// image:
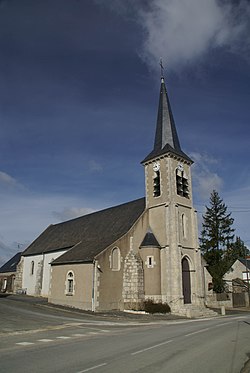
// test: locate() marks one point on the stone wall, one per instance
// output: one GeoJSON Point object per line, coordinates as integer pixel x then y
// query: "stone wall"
{"type": "Point", "coordinates": [18, 285]}
{"type": "Point", "coordinates": [213, 302]}
{"type": "Point", "coordinates": [133, 281]}
{"type": "Point", "coordinates": [39, 278]}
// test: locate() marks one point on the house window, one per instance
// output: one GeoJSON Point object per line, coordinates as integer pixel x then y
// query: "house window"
{"type": "Point", "coordinates": [182, 183]}
{"type": "Point", "coordinates": [70, 283]}
{"type": "Point", "coordinates": [116, 259]}
{"type": "Point", "coordinates": [246, 276]}
{"type": "Point", "coordinates": [32, 267]}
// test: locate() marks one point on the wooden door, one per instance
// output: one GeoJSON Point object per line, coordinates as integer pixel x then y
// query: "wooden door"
{"type": "Point", "coordinates": [186, 282]}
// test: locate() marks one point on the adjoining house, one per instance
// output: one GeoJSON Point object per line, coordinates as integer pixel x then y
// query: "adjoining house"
{"type": "Point", "coordinates": [8, 274]}
{"type": "Point", "coordinates": [240, 269]}
{"type": "Point", "coordinates": [237, 286]}
{"type": "Point", "coordinates": [118, 257]}
{"type": "Point", "coordinates": [237, 280]}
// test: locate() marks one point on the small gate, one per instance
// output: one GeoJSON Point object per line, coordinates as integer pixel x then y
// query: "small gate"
{"type": "Point", "coordinates": [239, 300]}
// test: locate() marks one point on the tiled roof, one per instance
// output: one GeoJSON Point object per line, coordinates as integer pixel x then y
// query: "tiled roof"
{"type": "Point", "coordinates": [10, 266]}
{"type": "Point", "coordinates": [88, 235]}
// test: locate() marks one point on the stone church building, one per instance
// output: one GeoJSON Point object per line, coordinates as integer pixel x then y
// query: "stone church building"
{"type": "Point", "coordinates": [120, 256]}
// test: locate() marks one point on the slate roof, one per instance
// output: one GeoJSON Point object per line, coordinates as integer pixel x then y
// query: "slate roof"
{"type": "Point", "coordinates": [149, 241]}
{"type": "Point", "coordinates": [166, 137]}
{"type": "Point", "coordinates": [245, 262]}
{"type": "Point", "coordinates": [10, 266]}
{"type": "Point", "coordinates": [88, 235]}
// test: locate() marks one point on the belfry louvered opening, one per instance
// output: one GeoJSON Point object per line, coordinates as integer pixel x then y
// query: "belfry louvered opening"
{"type": "Point", "coordinates": [182, 184]}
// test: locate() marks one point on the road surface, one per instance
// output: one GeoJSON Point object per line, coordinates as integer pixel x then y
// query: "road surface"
{"type": "Point", "coordinates": [65, 342]}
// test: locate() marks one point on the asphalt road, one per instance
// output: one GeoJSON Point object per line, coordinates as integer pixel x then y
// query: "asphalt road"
{"type": "Point", "coordinates": [68, 342]}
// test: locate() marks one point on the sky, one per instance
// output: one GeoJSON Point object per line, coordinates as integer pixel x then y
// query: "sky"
{"type": "Point", "coordinates": [79, 89]}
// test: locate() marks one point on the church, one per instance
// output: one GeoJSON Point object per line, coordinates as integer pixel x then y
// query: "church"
{"type": "Point", "coordinates": [116, 258]}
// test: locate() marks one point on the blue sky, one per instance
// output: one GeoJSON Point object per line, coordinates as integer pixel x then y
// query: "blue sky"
{"type": "Point", "coordinates": [79, 87]}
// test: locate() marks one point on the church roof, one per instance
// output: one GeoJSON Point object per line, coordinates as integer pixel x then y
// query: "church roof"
{"type": "Point", "coordinates": [88, 235]}
{"type": "Point", "coordinates": [10, 266]}
{"type": "Point", "coordinates": [166, 137]}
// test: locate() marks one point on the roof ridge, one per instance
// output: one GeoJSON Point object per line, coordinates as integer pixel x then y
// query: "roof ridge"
{"type": "Point", "coordinates": [97, 212]}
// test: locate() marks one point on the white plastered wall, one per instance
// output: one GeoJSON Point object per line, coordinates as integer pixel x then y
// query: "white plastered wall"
{"type": "Point", "coordinates": [30, 280]}
{"type": "Point", "coordinates": [38, 283]}
{"type": "Point", "coordinates": [48, 258]}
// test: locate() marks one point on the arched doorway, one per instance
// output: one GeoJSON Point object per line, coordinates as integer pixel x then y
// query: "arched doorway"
{"type": "Point", "coordinates": [186, 282]}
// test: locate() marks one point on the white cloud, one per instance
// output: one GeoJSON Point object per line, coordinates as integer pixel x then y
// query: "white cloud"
{"type": "Point", "coordinates": [10, 184]}
{"type": "Point", "coordinates": [95, 166]}
{"type": "Point", "coordinates": [6, 252]}
{"type": "Point", "coordinates": [238, 202]}
{"type": "Point", "coordinates": [7, 180]}
{"type": "Point", "coordinates": [183, 31]}
{"type": "Point", "coordinates": [205, 179]}
{"type": "Point", "coordinates": [71, 213]}
{"type": "Point", "coordinates": [24, 216]}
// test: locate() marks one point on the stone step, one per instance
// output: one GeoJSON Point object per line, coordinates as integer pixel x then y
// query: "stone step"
{"type": "Point", "coordinates": [191, 311]}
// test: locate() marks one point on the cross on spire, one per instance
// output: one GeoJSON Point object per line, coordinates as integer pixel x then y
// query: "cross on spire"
{"type": "Point", "coordinates": [162, 68]}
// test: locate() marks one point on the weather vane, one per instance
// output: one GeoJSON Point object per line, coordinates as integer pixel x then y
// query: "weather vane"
{"type": "Point", "coordinates": [162, 68]}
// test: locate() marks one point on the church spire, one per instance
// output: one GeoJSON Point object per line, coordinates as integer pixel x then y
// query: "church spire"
{"type": "Point", "coordinates": [166, 137]}
{"type": "Point", "coordinates": [165, 128]}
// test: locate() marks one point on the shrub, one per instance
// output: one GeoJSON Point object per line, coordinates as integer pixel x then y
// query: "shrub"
{"type": "Point", "coordinates": [151, 307]}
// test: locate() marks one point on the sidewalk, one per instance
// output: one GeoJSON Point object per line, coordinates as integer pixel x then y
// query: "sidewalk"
{"type": "Point", "coordinates": [115, 315]}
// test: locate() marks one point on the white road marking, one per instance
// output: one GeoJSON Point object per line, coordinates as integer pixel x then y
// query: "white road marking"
{"type": "Point", "coordinates": [206, 329]}
{"type": "Point", "coordinates": [45, 340]}
{"type": "Point", "coordinates": [78, 335]}
{"type": "Point", "coordinates": [198, 331]}
{"type": "Point", "coordinates": [24, 343]}
{"type": "Point", "coordinates": [150, 348]}
{"type": "Point", "coordinates": [225, 323]}
{"type": "Point", "coordinates": [94, 367]}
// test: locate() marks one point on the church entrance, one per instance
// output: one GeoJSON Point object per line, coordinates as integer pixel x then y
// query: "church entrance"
{"type": "Point", "coordinates": [186, 282]}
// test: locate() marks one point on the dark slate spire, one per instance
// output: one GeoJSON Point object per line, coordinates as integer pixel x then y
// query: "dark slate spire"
{"type": "Point", "coordinates": [165, 127]}
{"type": "Point", "coordinates": [166, 138]}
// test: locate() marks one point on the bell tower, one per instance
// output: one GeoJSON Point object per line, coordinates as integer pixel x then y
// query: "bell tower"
{"type": "Point", "coordinates": [167, 167]}
{"type": "Point", "coordinates": [172, 218]}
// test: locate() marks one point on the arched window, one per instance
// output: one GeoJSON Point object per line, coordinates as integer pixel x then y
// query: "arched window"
{"type": "Point", "coordinates": [32, 267]}
{"type": "Point", "coordinates": [4, 284]}
{"type": "Point", "coordinates": [116, 259]}
{"type": "Point", "coordinates": [70, 285]}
